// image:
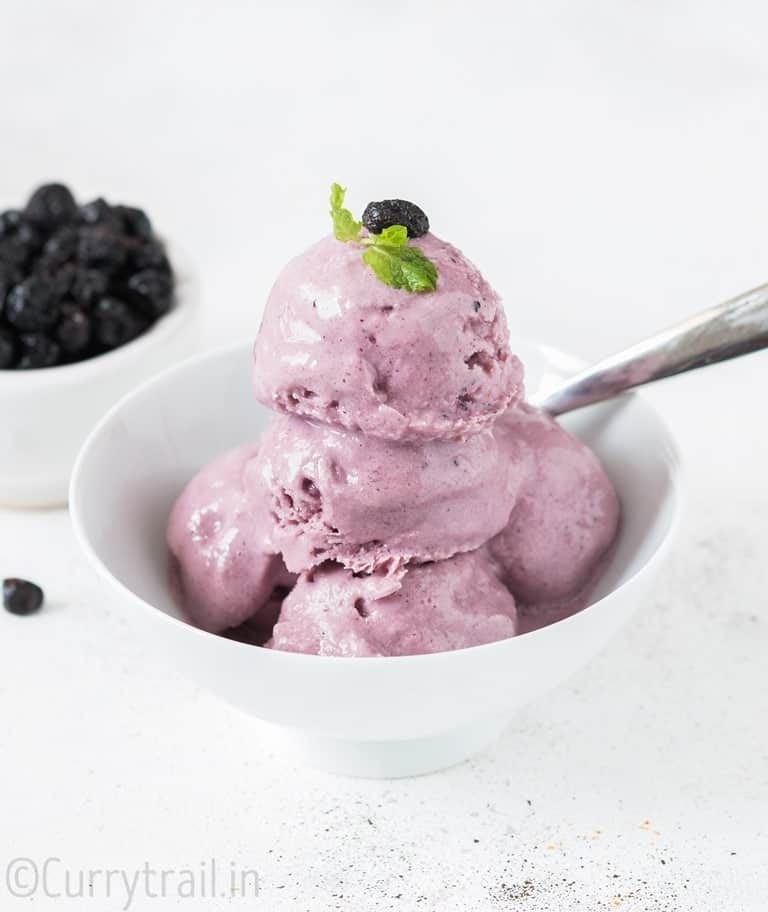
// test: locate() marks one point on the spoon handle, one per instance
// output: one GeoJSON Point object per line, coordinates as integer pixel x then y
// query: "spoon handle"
{"type": "Point", "coordinates": [737, 327]}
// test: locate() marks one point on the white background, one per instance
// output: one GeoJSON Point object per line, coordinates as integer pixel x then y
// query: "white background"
{"type": "Point", "coordinates": [605, 164]}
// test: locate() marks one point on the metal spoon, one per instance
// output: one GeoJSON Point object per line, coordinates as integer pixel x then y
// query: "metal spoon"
{"type": "Point", "coordinates": [735, 328]}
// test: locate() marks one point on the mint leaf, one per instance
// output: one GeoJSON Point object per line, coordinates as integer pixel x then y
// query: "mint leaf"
{"type": "Point", "coordinates": [337, 196]}
{"type": "Point", "coordinates": [401, 266]}
{"type": "Point", "coordinates": [395, 236]}
{"type": "Point", "coordinates": [345, 228]}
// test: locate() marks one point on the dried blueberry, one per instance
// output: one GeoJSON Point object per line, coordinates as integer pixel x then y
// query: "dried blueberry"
{"type": "Point", "coordinates": [74, 331]}
{"type": "Point", "coordinates": [151, 292]}
{"type": "Point", "coordinates": [8, 348]}
{"type": "Point", "coordinates": [37, 351]}
{"type": "Point", "coordinates": [116, 323]}
{"type": "Point", "coordinates": [10, 220]}
{"type": "Point", "coordinates": [31, 305]}
{"type": "Point", "coordinates": [135, 222]}
{"type": "Point", "coordinates": [9, 276]}
{"type": "Point", "coordinates": [60, 246]}
{"type": "Point", "coordinates": [99, 212]}
{"type": "Point", "coordinates": [21, 597]}
{"type": "Point", "coordinates": [18, 238]}
{"type": "Point", "coordinates": [59, 278]}
{"type": "Point", "coordinates": [385, 213]}
{"type": "Point", "coordinates": [151, 255]}
{"type": "Point", "coordinates": [88, 286]}
{"type": "Point", "coordinates": [100, 246]}
{"type": "Point", "coordinates": [27, 234]}
{"type": "Point", "coordinates": [63, 279]}
{"type": "Point", "coordinates": [50, 206]}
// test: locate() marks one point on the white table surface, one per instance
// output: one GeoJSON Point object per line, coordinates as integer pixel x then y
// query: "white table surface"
{"type": "Point", "coordinates": [605, 164]}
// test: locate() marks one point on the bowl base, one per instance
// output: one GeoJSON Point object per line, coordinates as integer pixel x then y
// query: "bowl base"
{"type": "Point", "coordinates": [392, 759]}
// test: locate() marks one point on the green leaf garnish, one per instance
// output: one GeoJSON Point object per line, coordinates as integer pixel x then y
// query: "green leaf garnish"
{"type": "Point", "coordinates": [401, 267]}
{"type": "Point", "coordinates": [388, 254]}
{"type": "Point", "coordinates": [345, 228]}
{"type": "Point", "coordinates": [394, 236]}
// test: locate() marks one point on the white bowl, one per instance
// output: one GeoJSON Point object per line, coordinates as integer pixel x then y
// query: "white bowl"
{"type": "Point", "coordinates": [358, 716]}
{"type": "Point", "coordinates": [47, 413]}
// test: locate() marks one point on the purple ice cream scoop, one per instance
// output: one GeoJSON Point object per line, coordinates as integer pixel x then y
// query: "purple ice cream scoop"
{"type": "Point", "coordinates": [338, 345]}
{"type": "Point", "coordinates": [434, 607]}
{"type": "Point", "coordinates": [375, 505]}
{"type": "Point", "coordinates": [222, 569]}
{"type": "Point", "coordinates": [566, 516]}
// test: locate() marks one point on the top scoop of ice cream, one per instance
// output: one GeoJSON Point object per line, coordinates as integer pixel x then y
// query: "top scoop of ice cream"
{"type": "Point", "coordinates": [338, 345]}
{"type": "Point", "coordinates": [223, 571]}
{"type": "Point", "coordinates": [450, 604]}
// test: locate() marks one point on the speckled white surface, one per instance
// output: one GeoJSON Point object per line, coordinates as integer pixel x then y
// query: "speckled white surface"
{"type": "Point", "coordinates": [628, 146]}
{"type": "Point", "coordinates": [641, 784]}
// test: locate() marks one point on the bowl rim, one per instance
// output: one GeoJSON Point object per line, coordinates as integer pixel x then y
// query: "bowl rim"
{"type": "Point", "coordinates": [676, 497]}
{"type": "Point", "coordinates": [184, 306]}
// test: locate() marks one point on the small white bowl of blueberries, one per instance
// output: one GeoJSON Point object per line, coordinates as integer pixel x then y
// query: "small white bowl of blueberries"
{"type": "Point", "coordinates": [90, 304]}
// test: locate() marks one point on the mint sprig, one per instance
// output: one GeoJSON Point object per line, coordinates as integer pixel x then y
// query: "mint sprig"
{"type": "Point", "coordinates": [388, 254]}
{"type": "Point", "coordinates": [345, 228]}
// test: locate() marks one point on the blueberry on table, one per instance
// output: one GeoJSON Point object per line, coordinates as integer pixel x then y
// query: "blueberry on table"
{"type": "Point", "coordinates": [117, 323]}
{"type": "Point", "coordinates": [37, 350]}
{"type": "Point", "coordinates": [151, 292]}
{"type": "Point", "coordinates": [50, 206]}
{"type": "Point", "coordinates": [386, 213]}
{"type": "Point", "coordinates": [31, 306]}
{"type": "Point", "coordinates": [21, 597]}
{"type": "Point", "coordinates": [9, 347]}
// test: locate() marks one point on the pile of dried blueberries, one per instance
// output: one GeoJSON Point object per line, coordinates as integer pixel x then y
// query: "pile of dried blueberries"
{"type": "Point", "coordinates": [77, 281]}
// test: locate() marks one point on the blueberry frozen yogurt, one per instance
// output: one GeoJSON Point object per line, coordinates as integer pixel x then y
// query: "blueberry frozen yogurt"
{"type": "Point", "coordinates": [404, 498]}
